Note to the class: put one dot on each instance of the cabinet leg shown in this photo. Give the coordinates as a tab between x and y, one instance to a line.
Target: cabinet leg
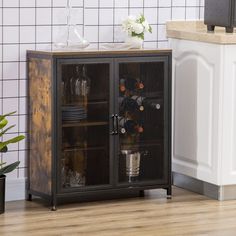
210	28
229	29
169	193
29	197
141	193
54	208
54	205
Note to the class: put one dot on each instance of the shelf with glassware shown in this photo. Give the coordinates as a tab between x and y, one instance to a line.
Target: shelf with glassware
111	126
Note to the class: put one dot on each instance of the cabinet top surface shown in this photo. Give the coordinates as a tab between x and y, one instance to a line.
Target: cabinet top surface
197	31
93	52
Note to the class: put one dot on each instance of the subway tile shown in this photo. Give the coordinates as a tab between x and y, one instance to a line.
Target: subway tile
151	15
27	16
91	33
10	16
10	88
105	34
106	3
136	3
27	34
192	13
43	16
9	105
59	16
90	17
10	70
43	3
164	15
105	17
59	3
121	3
43	34
10	34
90	3
120	15
28	3
163	3
178	13
10	3
11	52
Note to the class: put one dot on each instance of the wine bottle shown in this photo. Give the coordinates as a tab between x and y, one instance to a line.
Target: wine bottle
143	102
129	126
129	105
131	84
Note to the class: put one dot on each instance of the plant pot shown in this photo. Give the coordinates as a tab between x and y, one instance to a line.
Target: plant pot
2	194
135	42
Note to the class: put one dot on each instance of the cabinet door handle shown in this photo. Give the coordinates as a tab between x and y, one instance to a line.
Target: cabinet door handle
116	124
113	124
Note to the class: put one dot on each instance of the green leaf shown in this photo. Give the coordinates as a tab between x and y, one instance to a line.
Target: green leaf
150	29
4	131
3	123
2	163
12	140
4	149
5	115
9	168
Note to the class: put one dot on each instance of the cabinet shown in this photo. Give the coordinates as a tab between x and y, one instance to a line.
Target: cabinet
99	122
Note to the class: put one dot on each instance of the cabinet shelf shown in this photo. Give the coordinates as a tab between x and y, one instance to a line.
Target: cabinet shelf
141	144
92	102
84	124
74	149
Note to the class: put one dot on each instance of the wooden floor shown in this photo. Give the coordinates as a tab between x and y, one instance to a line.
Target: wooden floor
186	214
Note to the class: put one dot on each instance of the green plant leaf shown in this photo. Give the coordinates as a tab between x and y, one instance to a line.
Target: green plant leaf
3	123
2	163
4	149
9	168
4	131
5	115
12	140
150	29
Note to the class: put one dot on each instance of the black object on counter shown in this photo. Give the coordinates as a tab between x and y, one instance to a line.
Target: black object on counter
220	13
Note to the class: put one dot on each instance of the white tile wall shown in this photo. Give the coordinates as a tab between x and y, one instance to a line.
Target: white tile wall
35	24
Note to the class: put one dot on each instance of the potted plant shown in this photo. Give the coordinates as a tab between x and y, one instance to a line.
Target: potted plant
136	27
4	168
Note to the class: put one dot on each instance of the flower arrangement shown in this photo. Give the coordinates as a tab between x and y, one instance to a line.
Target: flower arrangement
136	26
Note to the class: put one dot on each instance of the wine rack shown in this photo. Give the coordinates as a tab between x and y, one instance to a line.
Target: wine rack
100	122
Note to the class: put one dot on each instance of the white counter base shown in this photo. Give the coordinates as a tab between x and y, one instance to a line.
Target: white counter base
204	112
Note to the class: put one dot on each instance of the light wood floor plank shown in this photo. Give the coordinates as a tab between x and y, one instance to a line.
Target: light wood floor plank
185	214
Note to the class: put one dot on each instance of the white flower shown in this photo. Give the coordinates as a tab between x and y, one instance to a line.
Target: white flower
146	26
138	28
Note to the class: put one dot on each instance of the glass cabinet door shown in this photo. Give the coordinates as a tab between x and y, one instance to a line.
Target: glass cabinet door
84	131
141	121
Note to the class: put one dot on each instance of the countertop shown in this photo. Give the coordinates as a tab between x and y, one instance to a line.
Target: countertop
197	31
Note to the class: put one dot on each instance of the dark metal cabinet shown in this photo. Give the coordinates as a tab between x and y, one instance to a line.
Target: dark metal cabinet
99	123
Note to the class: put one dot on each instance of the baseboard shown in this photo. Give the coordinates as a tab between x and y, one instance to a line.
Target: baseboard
15	189
221	193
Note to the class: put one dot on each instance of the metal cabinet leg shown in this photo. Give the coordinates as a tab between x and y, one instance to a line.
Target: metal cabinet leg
141	193
29	197
169	193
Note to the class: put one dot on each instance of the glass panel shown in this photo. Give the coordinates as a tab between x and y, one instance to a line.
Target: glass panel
141	121
85	125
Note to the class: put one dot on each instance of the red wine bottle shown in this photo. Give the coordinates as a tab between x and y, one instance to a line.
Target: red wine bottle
129	105
130	84
129	126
